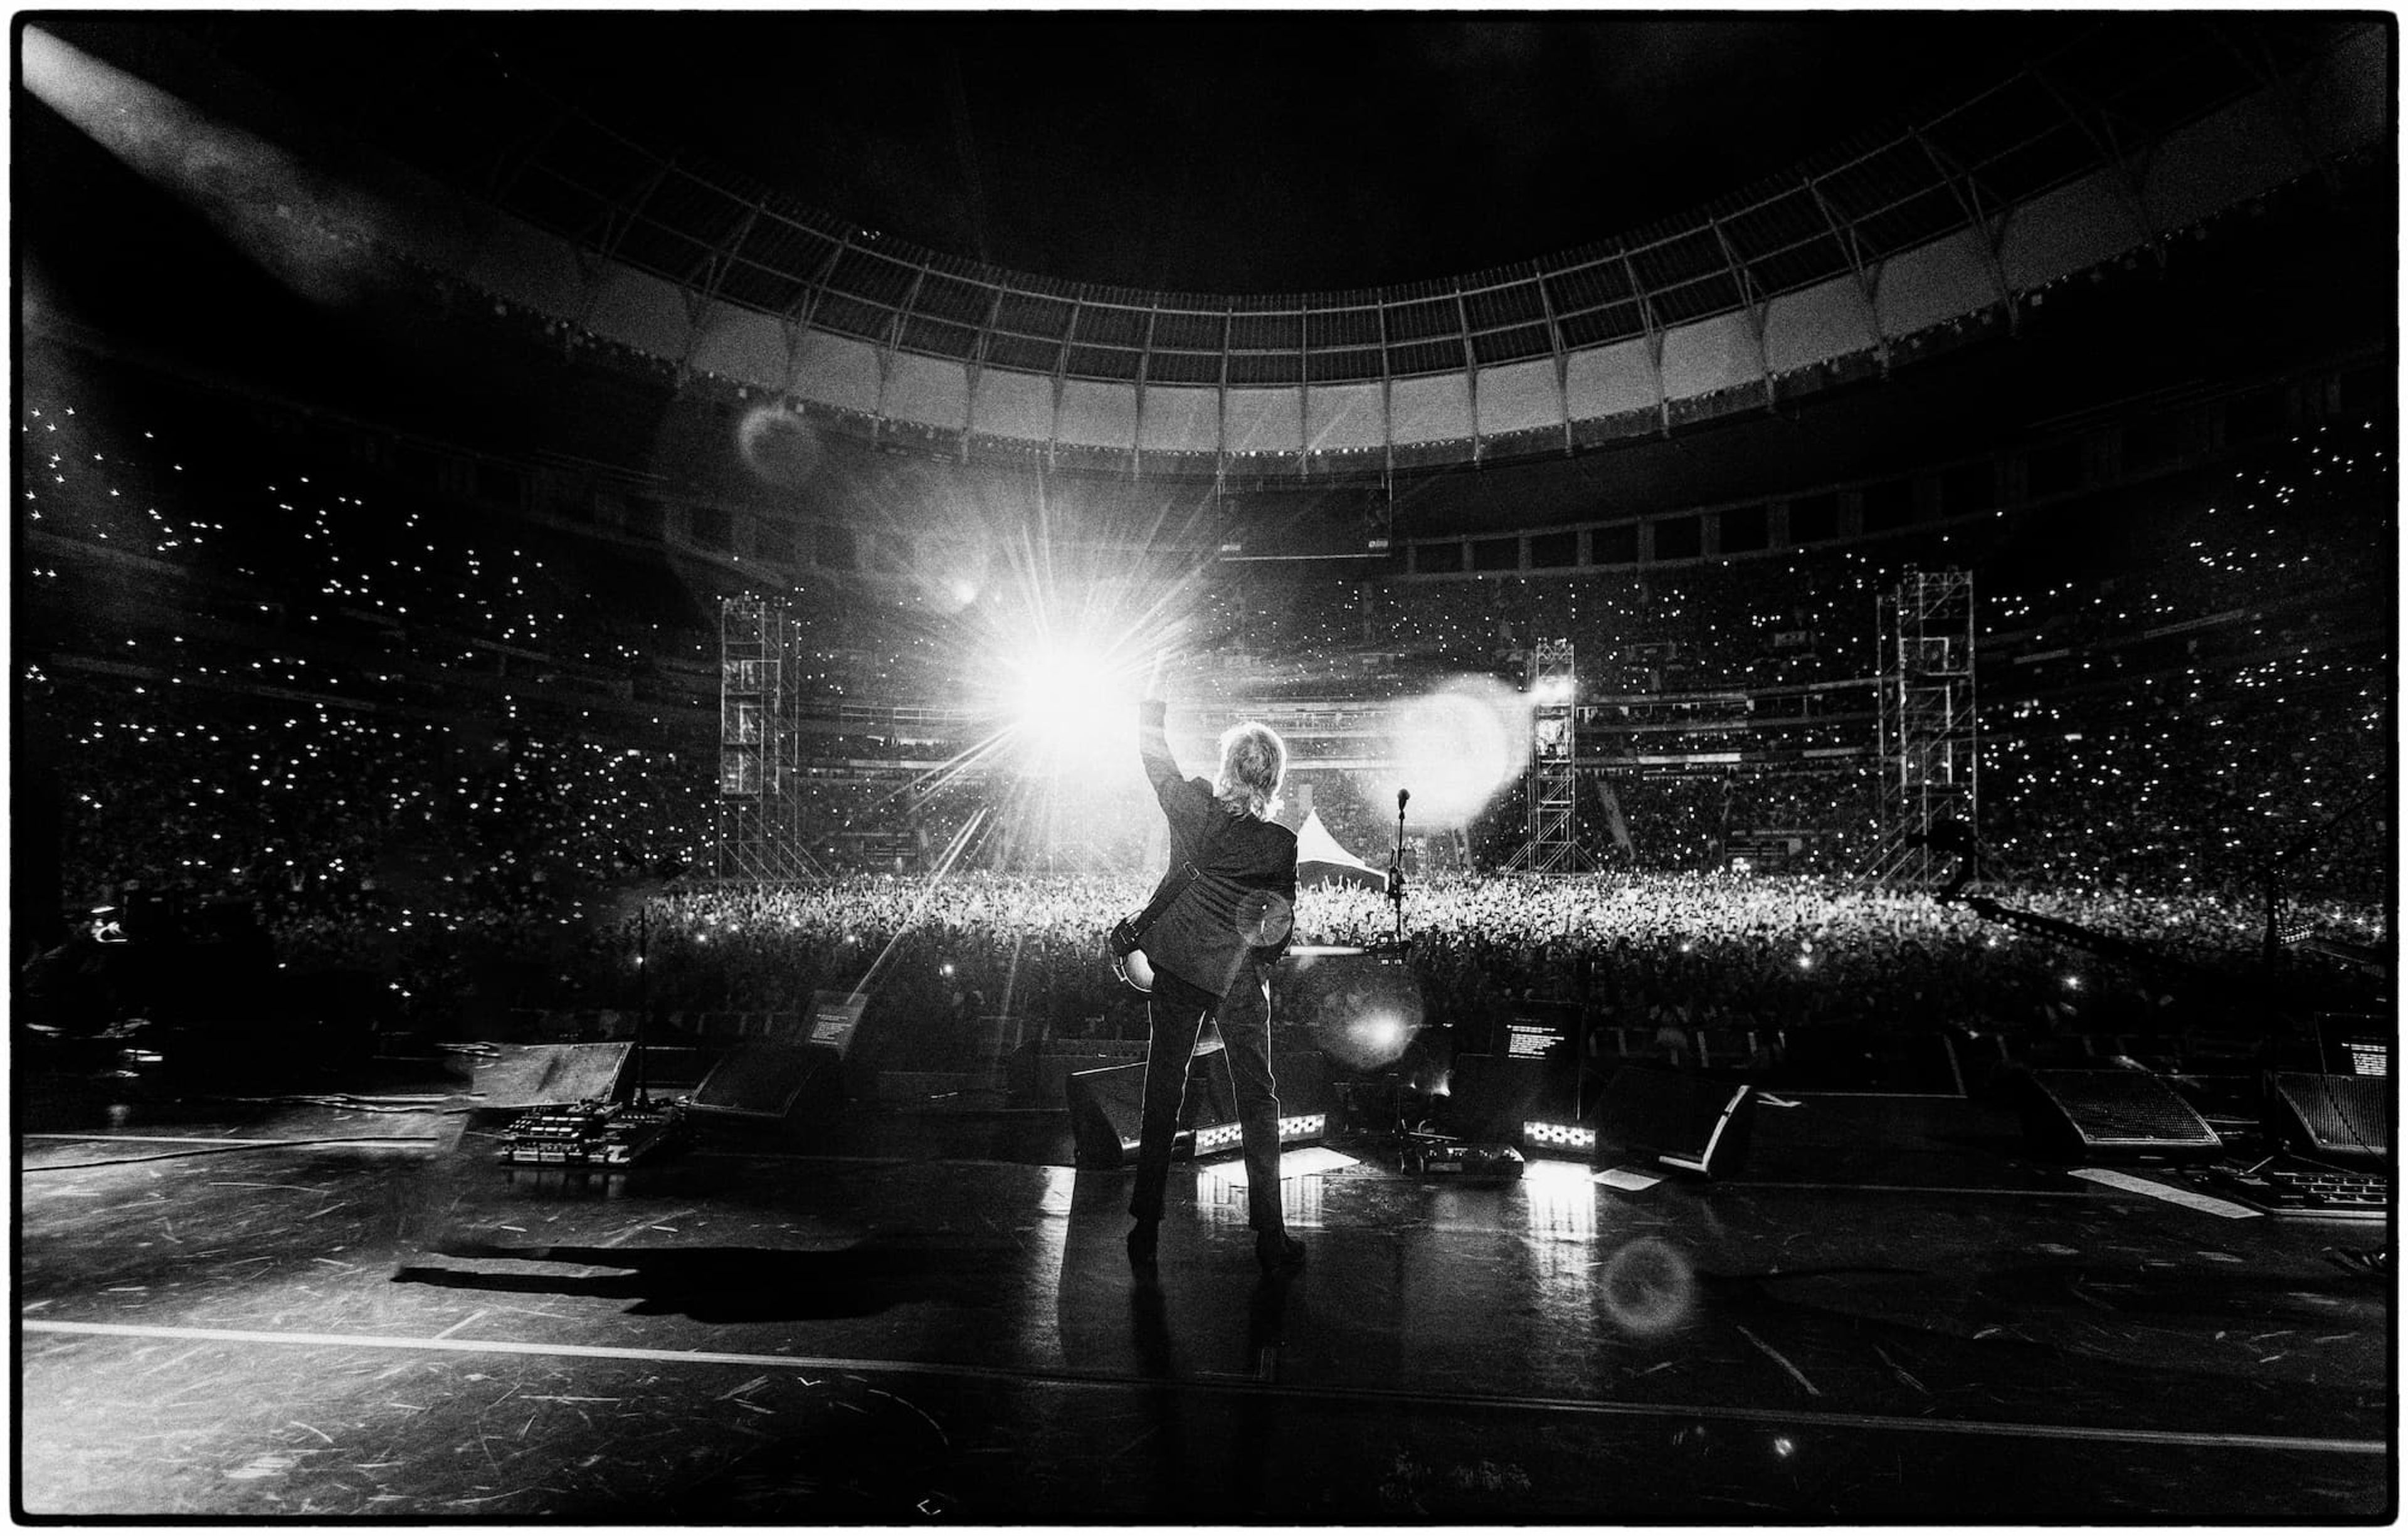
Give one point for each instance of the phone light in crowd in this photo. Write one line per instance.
(1550, 1139)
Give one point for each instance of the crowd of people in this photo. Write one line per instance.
(449, 750)
(1765, 956)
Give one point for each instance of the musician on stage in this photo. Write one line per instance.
(1213, 950)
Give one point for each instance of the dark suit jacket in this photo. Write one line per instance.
(1200, 939)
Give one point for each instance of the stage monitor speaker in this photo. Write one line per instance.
(1106, 1105)
(1542, 1032)
(1300, 1075)
(1490, 1097)
(763, 1079)
(526, 1075)
(2093, 1114)
(1108, 1108)
(1697, 1124)
(2335, 1116)
(835, 1018)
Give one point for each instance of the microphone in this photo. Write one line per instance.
(1404, 795)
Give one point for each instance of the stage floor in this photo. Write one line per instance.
(1891, 1315)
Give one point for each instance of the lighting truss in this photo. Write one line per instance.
(1930, 746)
(760, 821)
(1553, 781)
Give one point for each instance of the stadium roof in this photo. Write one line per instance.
(966, 226)
(1235, 154)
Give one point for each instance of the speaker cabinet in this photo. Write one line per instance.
(1300, 1074)
(526, 1075)
(2336, 1115)
(1108, 1109)
(1489, 1098)
(1694, 1125)
(1106, 1105)
(763, 1079)
(2087, 1114)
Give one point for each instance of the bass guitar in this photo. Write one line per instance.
(1250, 919)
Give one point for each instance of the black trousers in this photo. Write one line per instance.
(1175, 1017)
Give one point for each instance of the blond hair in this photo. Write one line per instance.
(1253, 761)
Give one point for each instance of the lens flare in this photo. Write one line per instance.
(778, 447)
(1648, 1287)
(1456, 747)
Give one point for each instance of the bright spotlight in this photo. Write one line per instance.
(1067, 707)
(258, 195)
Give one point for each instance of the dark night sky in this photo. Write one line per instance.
(1228, 152)
(1255, 153)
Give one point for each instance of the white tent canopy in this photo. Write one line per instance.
(1320, 857)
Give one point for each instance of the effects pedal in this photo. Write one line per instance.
(594, 1135)
(1464, 1160)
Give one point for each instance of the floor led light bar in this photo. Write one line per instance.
(1546, 1136)
(1292, 1129)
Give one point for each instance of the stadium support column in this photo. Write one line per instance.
(1930, 749)
(1554, 780)
(760, 742)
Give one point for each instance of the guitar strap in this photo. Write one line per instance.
(1133, 928)
(1130, 932)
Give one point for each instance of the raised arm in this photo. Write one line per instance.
(1153, 741)
(1153, 745)
(1186, 802)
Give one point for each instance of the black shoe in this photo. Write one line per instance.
(1144, 1241)
(1277, 1251)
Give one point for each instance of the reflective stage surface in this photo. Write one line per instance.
(1890, 1314)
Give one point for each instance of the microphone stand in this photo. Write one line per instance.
(642, 1098)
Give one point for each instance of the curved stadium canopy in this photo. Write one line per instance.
(2138, 131)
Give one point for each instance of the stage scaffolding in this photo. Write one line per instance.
(760, 661)
(1929, 746)
(1554, 782)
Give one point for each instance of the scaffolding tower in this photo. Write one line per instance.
(1553, 780)
(760, 832)
(1930, 746)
